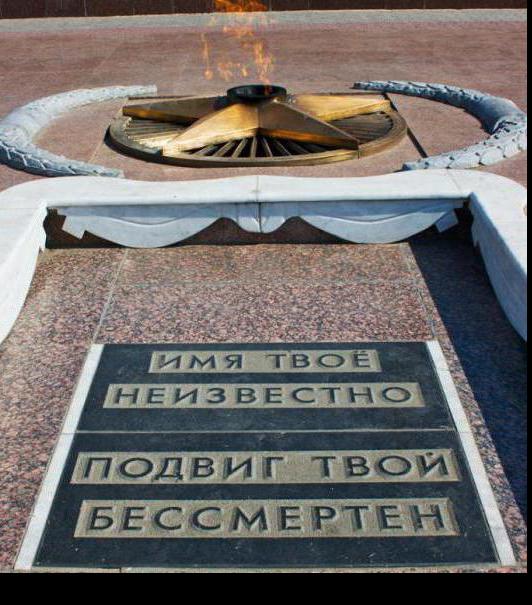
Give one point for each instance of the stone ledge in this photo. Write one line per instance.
(381, 209)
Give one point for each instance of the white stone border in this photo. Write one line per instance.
(21, 126)
(381, 209)
(21, 239)
(500, 230)
(477, 469)
(45, 499)
(36, 526)
(506, 123)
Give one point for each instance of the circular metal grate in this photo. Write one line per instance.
(148, 132)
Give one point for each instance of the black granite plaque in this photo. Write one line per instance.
(400, 364)
(217, 456)
(334, 513)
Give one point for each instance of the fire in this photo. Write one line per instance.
(239, 6)
(259, 59)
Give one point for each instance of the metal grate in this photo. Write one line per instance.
(150, 138)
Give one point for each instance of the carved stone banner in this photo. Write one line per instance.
(265, 456)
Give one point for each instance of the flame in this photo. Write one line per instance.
(260, 60)
(239, 6)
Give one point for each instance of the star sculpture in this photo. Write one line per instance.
(254, 111)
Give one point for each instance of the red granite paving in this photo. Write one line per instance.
(39, 367)
(217, 294)
(488, 56)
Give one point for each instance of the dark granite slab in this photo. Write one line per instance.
(402, 363)
(327, 543)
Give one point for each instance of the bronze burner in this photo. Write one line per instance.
(258, 125)
(256, 93)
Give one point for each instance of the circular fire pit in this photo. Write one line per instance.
(256, 93)
(258, 125)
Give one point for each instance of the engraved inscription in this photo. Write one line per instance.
(370, 466)
(352, 360)
(347, 395)
(214, 455)
(381, 518)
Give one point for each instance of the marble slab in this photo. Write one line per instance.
(381, 209)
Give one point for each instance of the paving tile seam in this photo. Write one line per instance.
(102, 141)
(415, 275)
(296, 282)
(109, 301)
(410, 132)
